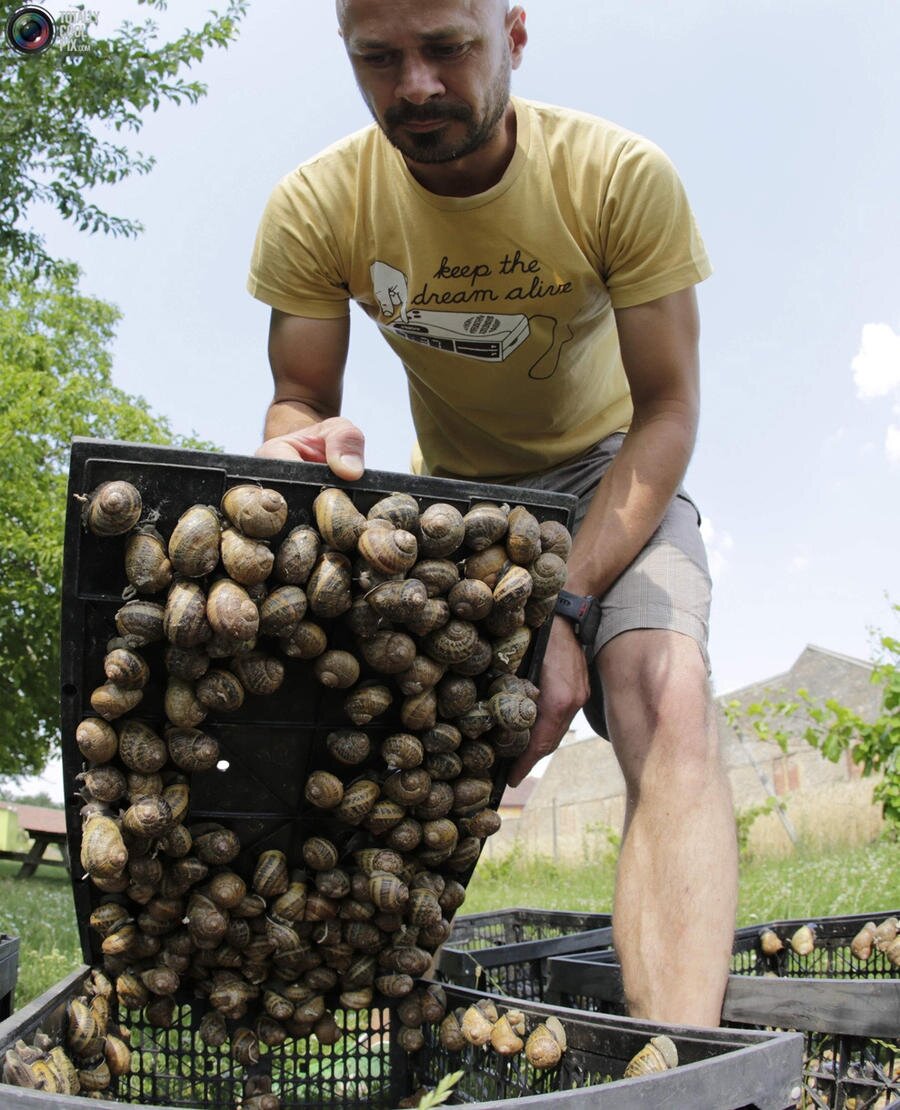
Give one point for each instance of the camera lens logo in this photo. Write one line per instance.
(30, 30)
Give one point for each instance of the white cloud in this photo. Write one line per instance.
(876, 369)
(892, 444)
(718, 547)
(800, 564)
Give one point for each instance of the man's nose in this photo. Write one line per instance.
(418, 81)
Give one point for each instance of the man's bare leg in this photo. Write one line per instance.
(676, 885)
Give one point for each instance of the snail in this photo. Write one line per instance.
(112, 509)
(282, 610)
(367, 702)
(523, 537)
(438, 576)
(546, 1044)
(555, 539)
(230, 611)
(659, 1054)
(338, 520)
(348, 747)
(297, 555)
(442, 530)
(246, 560)
(336, 669)
(147, 565)
(401, 509)
(257, 512)
(388, 550)
(140, 622)
(485, 523)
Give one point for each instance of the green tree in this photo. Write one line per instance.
(55, 383)
(63, 115)
(833, 728)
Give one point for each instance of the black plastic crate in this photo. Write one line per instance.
(9, 973)
(507, 951)
(718, 1069)
(847, 1009)
(271, 744)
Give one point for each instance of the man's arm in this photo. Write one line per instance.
(659, 344)
(303, 421)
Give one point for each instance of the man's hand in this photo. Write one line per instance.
(334, 441)
(565, 687)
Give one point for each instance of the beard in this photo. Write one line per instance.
(433, 147)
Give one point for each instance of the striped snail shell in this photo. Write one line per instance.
(182, 705)
(150, 816)
(212, 1029)
(226, 889)
(186, 663)
(359, 798)
(370, 860)
(659, 1054)
(220, 690)
(389, 652)
(246, 560)
(405, 836)
(482, 824)
(538, 610)
(230, 611)
(319, 854)
(485, 523)
(470, 600)
(334, 883)
(184, 622)
(419, 711)
(258, 673)
(402, 750)
(111, 701)
(523, 537)
(478, 660)
(477, 756)
(160, 980)
(432, 615)
(348, 747)
(103, 852)
(513, 711)
(442, 530)
(423, 674)
(423, 908)
(438, 803)
(548, 573)
(361, 620)
(451, 643)
(107, 917)
(443, 765)
(324, 790)
(367, 702)
(339, 522)
(125, 668)
(397, 986)
(307, 641)
(216, 845)
(245, 1046)
(438, 576)
(452, 897)
(291, 905)
(282, 610)
(487, 565)
(96, 739)
(508, 653)
(439, 835)
(398, 600)
(555, 538)
(360, 973)
(270, 875)
(408, 787)
(465, 855)
(502, 622)
(336, 669)
(103, 784)
(140, 622)
(401, 509)
(513, 588)
(328, 589)
(140, 749)
(383, 815)
(297, 555)
(177, 797)
(357, 1000)
(389, 550)
(147, 565)
(194, 542)
(441, 737)
(387, 891)
(456, 694)
(272, 1034)
(255, 510)
(112, 509)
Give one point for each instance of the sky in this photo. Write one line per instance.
(783, 120)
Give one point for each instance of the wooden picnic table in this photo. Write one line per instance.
(44, 826)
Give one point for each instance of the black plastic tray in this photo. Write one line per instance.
(271, 744)
(9, 973)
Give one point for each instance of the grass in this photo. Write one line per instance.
(808, 884)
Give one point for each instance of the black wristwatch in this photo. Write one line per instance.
(583, 612)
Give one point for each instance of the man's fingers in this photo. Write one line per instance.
(335, 441)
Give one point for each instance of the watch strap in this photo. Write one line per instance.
(584, 613)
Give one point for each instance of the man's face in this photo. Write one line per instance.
(434, 73)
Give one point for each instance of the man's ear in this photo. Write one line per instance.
(517, 35)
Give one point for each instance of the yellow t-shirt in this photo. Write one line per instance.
(499, 305)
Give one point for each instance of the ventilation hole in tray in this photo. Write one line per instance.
(222, 765)
(69, 689)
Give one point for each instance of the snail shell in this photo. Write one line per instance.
(523, 537)
(548, 573)
(513, 711)
(306, 641)
(443, 765)
(103, 851)
(220, 690)
(803, 941)
(387, 891)
(442, 530)
(442, 737)
(383, 815)
(291, 905)
(408, 787)
(886, 933)
(367, 702)
(125, 668)
(440, 835)
(177, 842)
(482, 824)
(452, 897)
(438, 576)
(329, 585)
(398, 600)
(226, 889)
(246, 560)
(389, 652)
(160, 980)
(362, 620)
(456, 694)
(297, 555)
(147, 565)
(504, 1039)
(401, 751)
(333, 883)
(270, 876)
(433, 614)
(230, 612)
(259, 673)
(358, 800)
(216, 846)
(476, 1028)
(388, 550)
(470, 600)
(212, 1029)
(510, 743)
(513, 589)
(769, 942)
(320, 854)
(107, 917)
(186, 663)
(508, 653)
(96, 739)
(451, 1035)
(659, 1054)
(117, 1055)
(465, 855)
(372, 860)
(477, 756)
(419, 711)
(255, 511)
(194, 543)
(140, 749)
(112, 509)
(339, 521)
(555, 538)
(401, 509)
(324, 790)
(398, 986)
(405, 836)
(95, 1076)
(451, 643)
(538, 610)
(272, 1034)
(475, 721)
(357, 1000)
(487, 565)
(103, 784)
(862, 944)
(182, 705)
(112, 701)
(184, 622)
(140, 622)
(150, 817)
(485, 523)
(245, 1046)
(347, 747)
(283, 609)
(407, 959)
(336, 669)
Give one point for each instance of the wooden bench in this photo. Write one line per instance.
(44, 827)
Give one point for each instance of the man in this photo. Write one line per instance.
(533, 268)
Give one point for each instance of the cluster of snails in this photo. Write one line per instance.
(421, 616)
(884, 938)
(96, 1048)
(481, 1024)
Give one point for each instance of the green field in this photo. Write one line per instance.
(864, 879)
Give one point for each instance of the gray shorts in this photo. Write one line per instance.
(666, 586)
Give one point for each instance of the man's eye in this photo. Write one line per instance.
(449, 50)
(377, 60)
